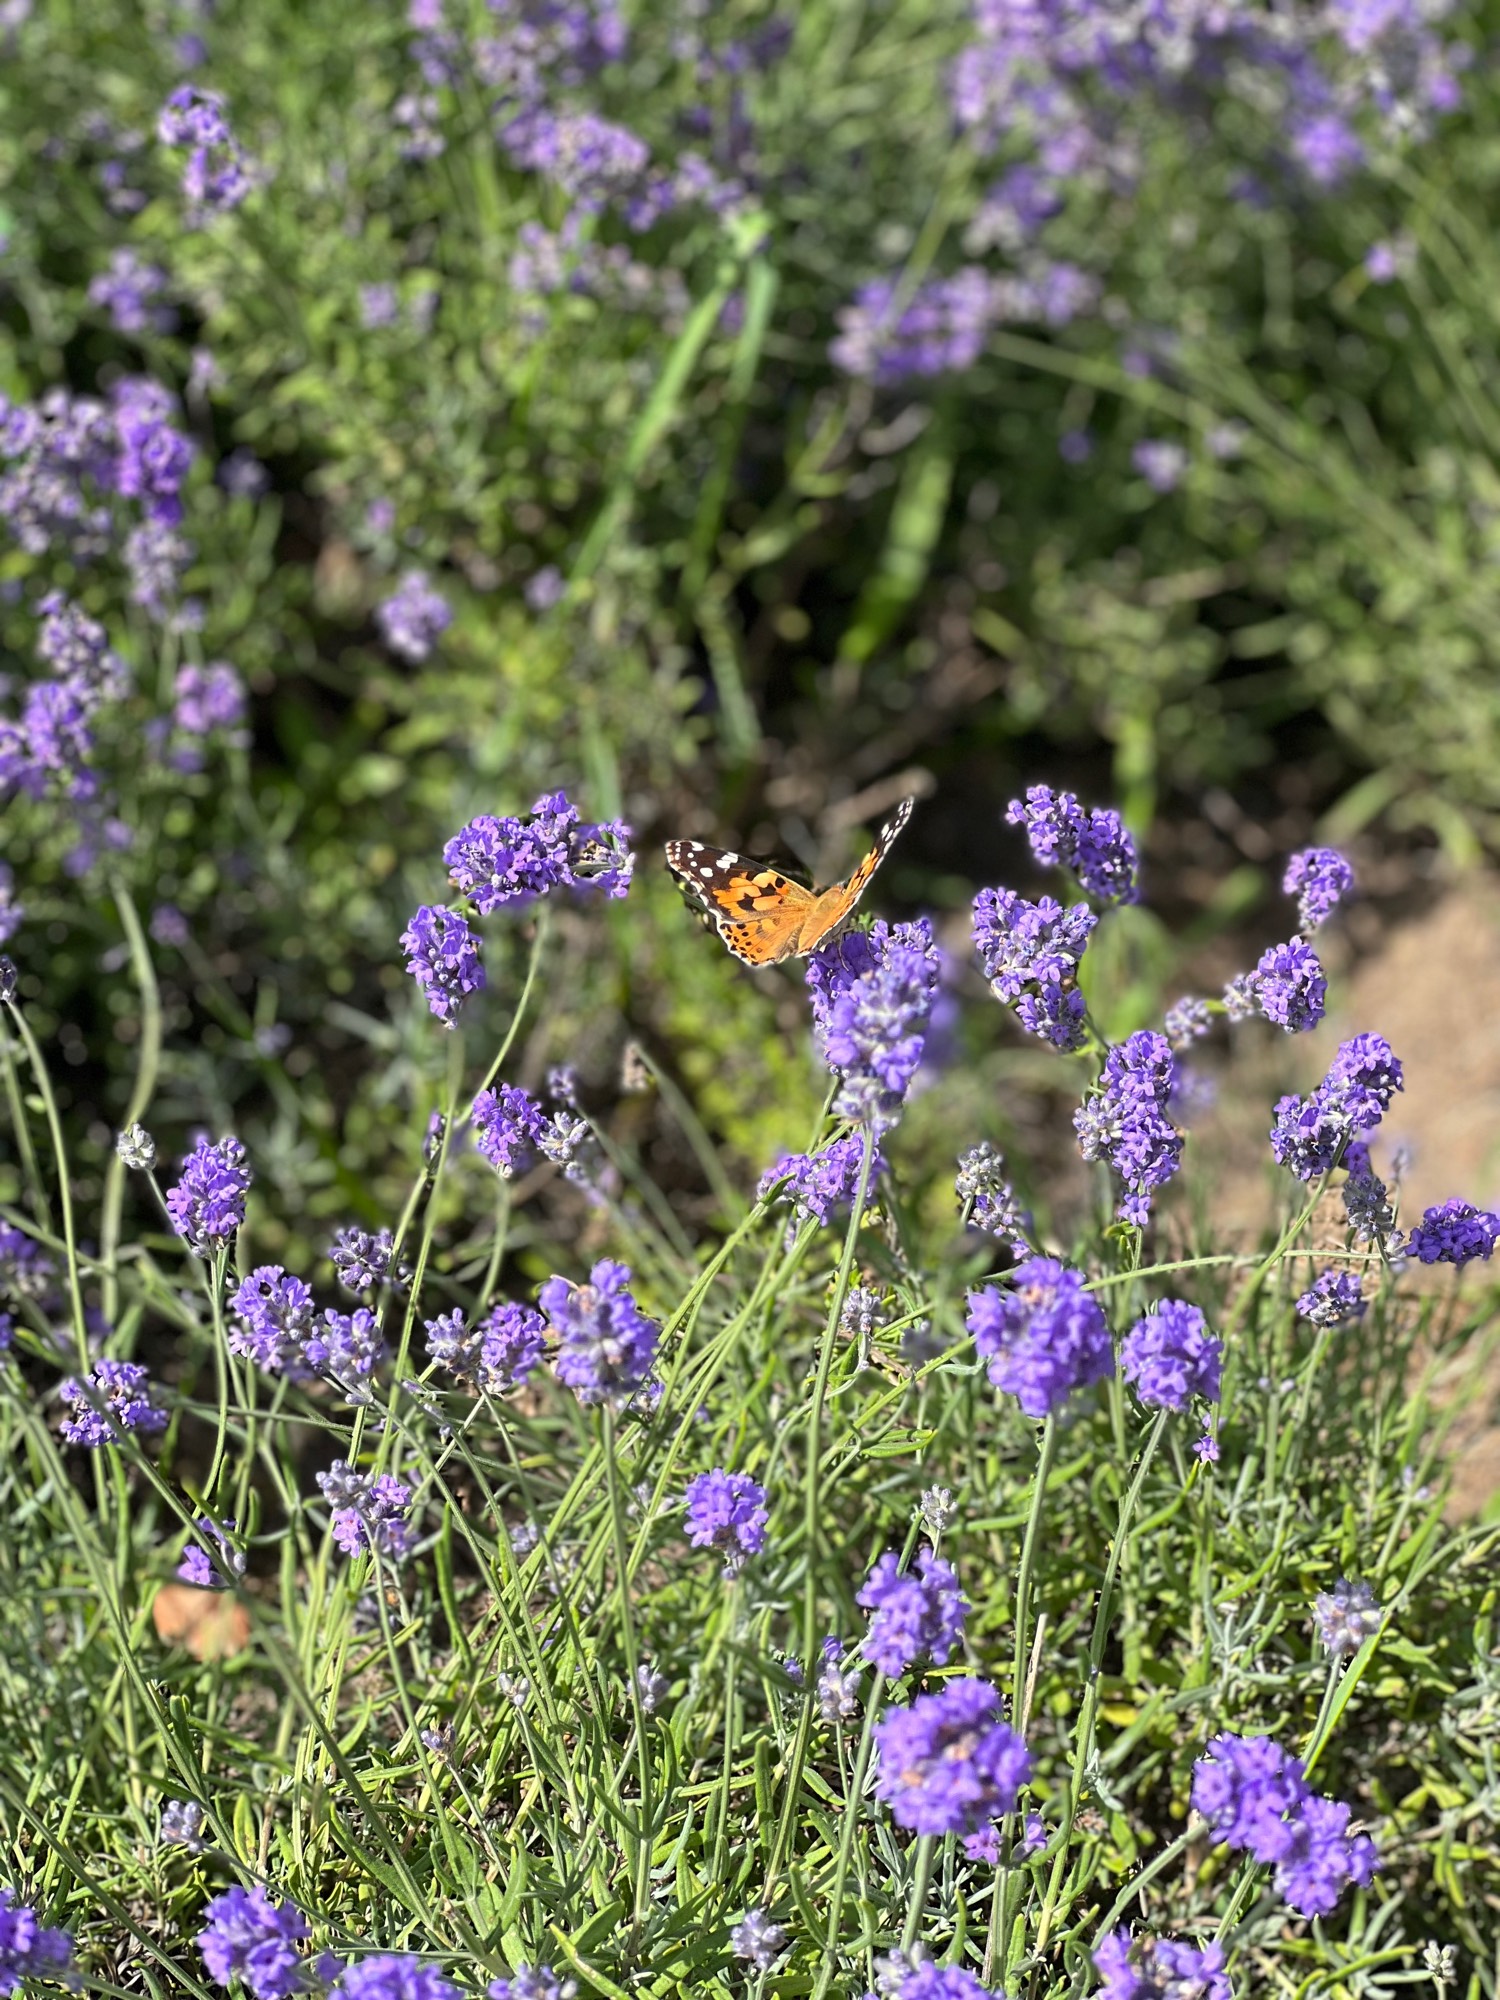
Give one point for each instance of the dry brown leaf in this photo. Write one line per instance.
(211, 1624)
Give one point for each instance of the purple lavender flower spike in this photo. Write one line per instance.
(947, 1762)
(152, 455)
(346, 1348)
(214, 1563)
(208, 698)
(28, 1949)
(1346, 1615)
(1170, 1356)
(1031, 953)
(822, 1185)
(130, 291)
(982, 1189)
(1186, 1022)
(1311, 1133)
(1288, 986)
(606, 1344)
(216, 176)
(1454, 1232)
(368, 1510)
(392, 1975)
(872, 996)
(1093, 845)
(1148, 1968)
(442, 955)
(1126, 1121)
(727, 1511)
(364, 1262)
(1334, 1300)
(508, 1128)
(117, 1397)
(207, 1205)
(941, 328)
(250, 1938)
(1255, 1796)
(271, 1316)
(1161, 462)
(413, 617)
(1320, 878)
(1043, 1336)
(919, 1614)
(533, 1982)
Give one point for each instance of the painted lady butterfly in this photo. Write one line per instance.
(761, 916)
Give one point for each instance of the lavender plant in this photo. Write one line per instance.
(691, 1625)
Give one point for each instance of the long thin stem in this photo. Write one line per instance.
(148, 1062)
(927, 1848)
(632, 1666)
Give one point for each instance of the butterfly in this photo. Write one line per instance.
(761, 915)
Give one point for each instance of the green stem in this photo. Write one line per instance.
(1085, 1739)
(627, 1633)
(64, 1187)
(811, 1523)
(847, 1837)
(927, 1848)
(148, 1062)
(1028, 1558)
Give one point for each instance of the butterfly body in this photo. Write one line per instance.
(761, 915)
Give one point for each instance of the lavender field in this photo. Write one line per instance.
(740, 1253)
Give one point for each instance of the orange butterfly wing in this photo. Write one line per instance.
(760, 914)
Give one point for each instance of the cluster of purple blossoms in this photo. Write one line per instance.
(442, 955)
(890, 335)
(64, 460)
(989, 1200)
(1170, 1356)
(1454, 1232)
(26, 1271)
(837, 1684)
(1126, 1121)
(514, 1133)
(918, 1615)
(757, 1940)
(130, 292)
(948, 1763)
(1187, 1022)
(207, 1205)
(727, 1511)
(214, 1563)
(208, 698)
(1148, 1968)
(271, 1321)
(499, 1353)
(1346, 1615)
(1042, 1335)
(1311, 1132)
(1093, 846)
(606, 1344)
(152, 455)
(363, 1262)
(898, 1977)
(250, 1938)
(1031, 953)
(117, 1397)
(872, 996)
(1288, 986)
(28, 1949)
(985, 1845)
(533, 1982)
(1161, 462)
(392, 1975)
(592, 159)
(216, 176)
(181, 1825)
(369, 1510)
(503, 862)
(1367, 1205)
(413, 617)
(47, 748)
(823, 1184)
(1334, 1300)
(345, 1348)
(1320, 878)
(1255, 1796)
